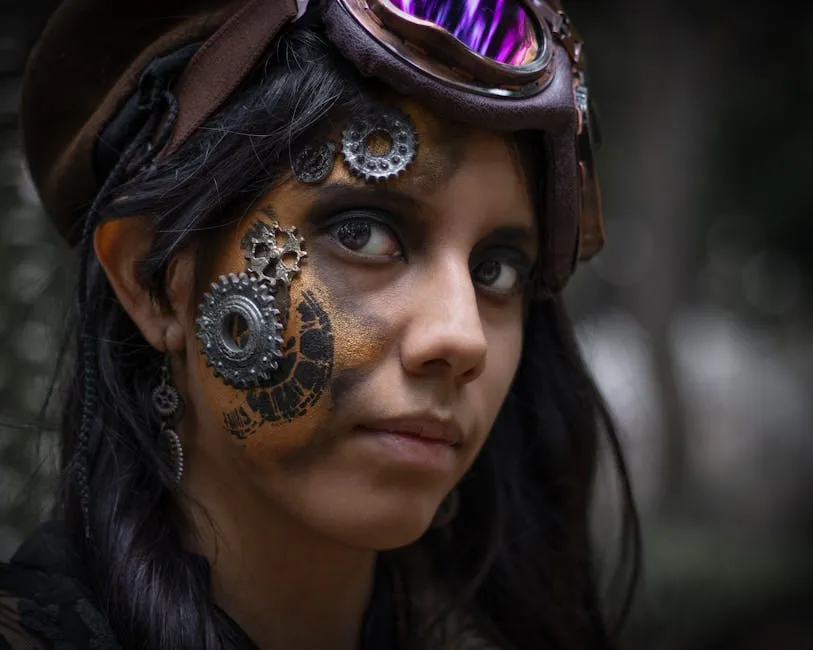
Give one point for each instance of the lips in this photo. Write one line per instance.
(426, 428)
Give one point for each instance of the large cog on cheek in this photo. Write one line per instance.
(252, 360)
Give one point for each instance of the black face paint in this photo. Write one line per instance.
(301, 379)
(346, 382)
(239, 423)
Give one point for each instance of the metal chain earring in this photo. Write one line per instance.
(166, 402)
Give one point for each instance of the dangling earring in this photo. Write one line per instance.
(447, 510)
(167, 401)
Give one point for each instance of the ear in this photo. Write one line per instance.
(121, 244)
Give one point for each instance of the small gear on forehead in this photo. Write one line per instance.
(274, 253)
(239, 329)
(314, 163)
(397, 136)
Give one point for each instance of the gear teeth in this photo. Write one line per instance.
(377, 167)
(266, 236)
(247, 296)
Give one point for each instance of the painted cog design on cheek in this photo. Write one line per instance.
(303, 376)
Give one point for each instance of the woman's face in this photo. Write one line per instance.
(403, 335)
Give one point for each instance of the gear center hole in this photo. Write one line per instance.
(379, 143)
(236, 332)
(289, 260)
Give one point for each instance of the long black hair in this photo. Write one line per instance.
(518, 553)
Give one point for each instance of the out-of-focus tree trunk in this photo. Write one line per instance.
(672, 99)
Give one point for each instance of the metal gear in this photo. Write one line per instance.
(267, 258)
(314, 163)
(173, 451)
(250, 362)
(165, 400)
(397, 129)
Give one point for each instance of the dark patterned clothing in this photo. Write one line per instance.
(45, 605)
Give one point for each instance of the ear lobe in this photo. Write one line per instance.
(120, 245)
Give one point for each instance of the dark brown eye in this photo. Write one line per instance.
(354, 235)
(367, 237)
(488, 272)
(497, 276)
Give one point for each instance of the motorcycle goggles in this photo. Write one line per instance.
(504, 65)
(492, 47)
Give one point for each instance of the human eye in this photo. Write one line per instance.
(366, 236)
(501, 276)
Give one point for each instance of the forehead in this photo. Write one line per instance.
(453, 161)
(460, 174)
(447, 147)
(463, 182)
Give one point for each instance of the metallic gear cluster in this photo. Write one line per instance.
(393, 126)
(270, 260)
(250, 362)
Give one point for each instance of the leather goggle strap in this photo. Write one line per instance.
(591, 223)
(224, 61)
(592, 235)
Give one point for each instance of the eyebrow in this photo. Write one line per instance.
(523, 237)
(344, 194)
(335, 195)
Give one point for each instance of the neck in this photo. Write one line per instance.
(287, 587)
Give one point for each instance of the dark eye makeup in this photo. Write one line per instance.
(385, 231)
(501, 271)
(360, 232)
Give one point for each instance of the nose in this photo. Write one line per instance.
(444, 334)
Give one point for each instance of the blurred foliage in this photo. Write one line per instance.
(32, 265)
(755, 206)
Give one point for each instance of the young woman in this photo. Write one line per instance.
(322, 392)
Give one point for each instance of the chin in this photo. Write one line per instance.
(381, 526)
(399, 535)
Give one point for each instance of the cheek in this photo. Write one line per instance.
(502, 361)
(326, 348)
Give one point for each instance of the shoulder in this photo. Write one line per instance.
(13, 633)
(16, 609)
(39, 611)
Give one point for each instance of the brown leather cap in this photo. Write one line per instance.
(88, 62)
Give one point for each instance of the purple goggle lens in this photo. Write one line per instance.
(500, 30)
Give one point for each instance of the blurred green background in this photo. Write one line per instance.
(696, 319)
